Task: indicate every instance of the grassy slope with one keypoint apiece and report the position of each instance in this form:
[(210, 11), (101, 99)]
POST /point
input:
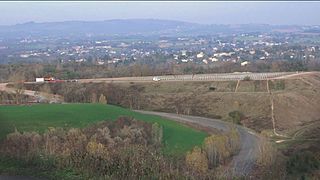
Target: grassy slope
[(178, 138)]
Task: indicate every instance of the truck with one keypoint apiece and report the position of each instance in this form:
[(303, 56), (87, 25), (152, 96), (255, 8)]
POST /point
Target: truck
[(49, 78), (39, 79)]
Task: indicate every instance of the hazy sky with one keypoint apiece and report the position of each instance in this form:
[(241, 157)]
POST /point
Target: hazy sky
[(200, 12)]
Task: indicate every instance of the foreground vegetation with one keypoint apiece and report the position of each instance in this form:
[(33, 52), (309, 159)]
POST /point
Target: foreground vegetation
[(177, 138), (121, 149)]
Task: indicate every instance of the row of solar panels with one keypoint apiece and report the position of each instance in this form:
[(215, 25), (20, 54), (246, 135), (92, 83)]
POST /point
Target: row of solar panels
[(216, 77)]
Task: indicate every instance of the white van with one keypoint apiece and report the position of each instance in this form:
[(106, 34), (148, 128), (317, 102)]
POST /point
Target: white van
[(156, 78)]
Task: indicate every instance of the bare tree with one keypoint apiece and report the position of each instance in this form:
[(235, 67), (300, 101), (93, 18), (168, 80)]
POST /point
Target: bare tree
[(18, 80), (102, 99)]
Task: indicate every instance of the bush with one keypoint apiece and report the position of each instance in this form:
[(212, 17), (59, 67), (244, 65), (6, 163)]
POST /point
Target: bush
[(277, 85), (220, 147), (122, 149), (236, 116), (23, 145), (197, 160), (302, 163), (157, 134), (247, 78)]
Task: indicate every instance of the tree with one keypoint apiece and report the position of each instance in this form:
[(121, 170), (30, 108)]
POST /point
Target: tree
[(236, 116), (247, 78), (18, 86), (234, 140), (217, 149), (46, 91), (197, 160), (133, 96), (93, 98), (157, 134), (102, 99), (267, 153)]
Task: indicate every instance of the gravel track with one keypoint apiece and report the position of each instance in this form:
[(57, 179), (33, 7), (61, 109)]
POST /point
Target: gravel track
[(243, 162)]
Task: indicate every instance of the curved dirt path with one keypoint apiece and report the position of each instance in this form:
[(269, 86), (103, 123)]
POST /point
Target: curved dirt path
[(244, 161), (40, 96)]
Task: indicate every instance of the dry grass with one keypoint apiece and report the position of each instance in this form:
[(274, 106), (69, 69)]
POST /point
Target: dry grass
[(295, 100)]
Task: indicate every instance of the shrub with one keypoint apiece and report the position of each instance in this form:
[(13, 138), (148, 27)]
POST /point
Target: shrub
[(53, 141), (267, 153), (247, 78), (217, 149), (233, 140), (280, 85), (23, 145), (102, 135), (220, 147), (102, 99), (157, 134), (236, 116), (197, 160), (97, 149), (277, 85), (302, 163)]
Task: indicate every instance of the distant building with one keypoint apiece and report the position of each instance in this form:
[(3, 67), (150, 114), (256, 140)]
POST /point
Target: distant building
[(39, 79), (200, 55), (205, 61), (213, 59), (184, 53), (100, 62), (244, 63)]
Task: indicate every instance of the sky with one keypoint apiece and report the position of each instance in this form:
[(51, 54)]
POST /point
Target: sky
[(298, 13)]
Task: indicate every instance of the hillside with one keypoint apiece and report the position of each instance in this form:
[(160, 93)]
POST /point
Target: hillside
[(295, 100)]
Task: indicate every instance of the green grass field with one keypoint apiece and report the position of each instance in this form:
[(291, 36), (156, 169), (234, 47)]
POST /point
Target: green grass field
[(178, 138)]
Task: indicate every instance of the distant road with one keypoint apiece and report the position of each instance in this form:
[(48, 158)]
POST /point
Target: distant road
[(199, 77), (244, 161)]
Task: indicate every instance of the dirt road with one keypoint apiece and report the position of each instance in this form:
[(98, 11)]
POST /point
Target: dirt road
[(243, 162), (40, 96)]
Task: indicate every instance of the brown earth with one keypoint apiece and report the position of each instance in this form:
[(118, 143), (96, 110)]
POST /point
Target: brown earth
[(295, 100)]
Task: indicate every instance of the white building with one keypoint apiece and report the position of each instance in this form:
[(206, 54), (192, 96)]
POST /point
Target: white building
[(200, 55), (205, 61), (39, 79), (244, 63), (184, 53)]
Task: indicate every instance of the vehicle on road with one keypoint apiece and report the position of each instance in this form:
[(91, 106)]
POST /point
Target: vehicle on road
[(39, 79), (156, 78)]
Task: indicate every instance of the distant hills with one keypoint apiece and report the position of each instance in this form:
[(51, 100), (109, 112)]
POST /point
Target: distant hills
[(109, 27), (129, 27)]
